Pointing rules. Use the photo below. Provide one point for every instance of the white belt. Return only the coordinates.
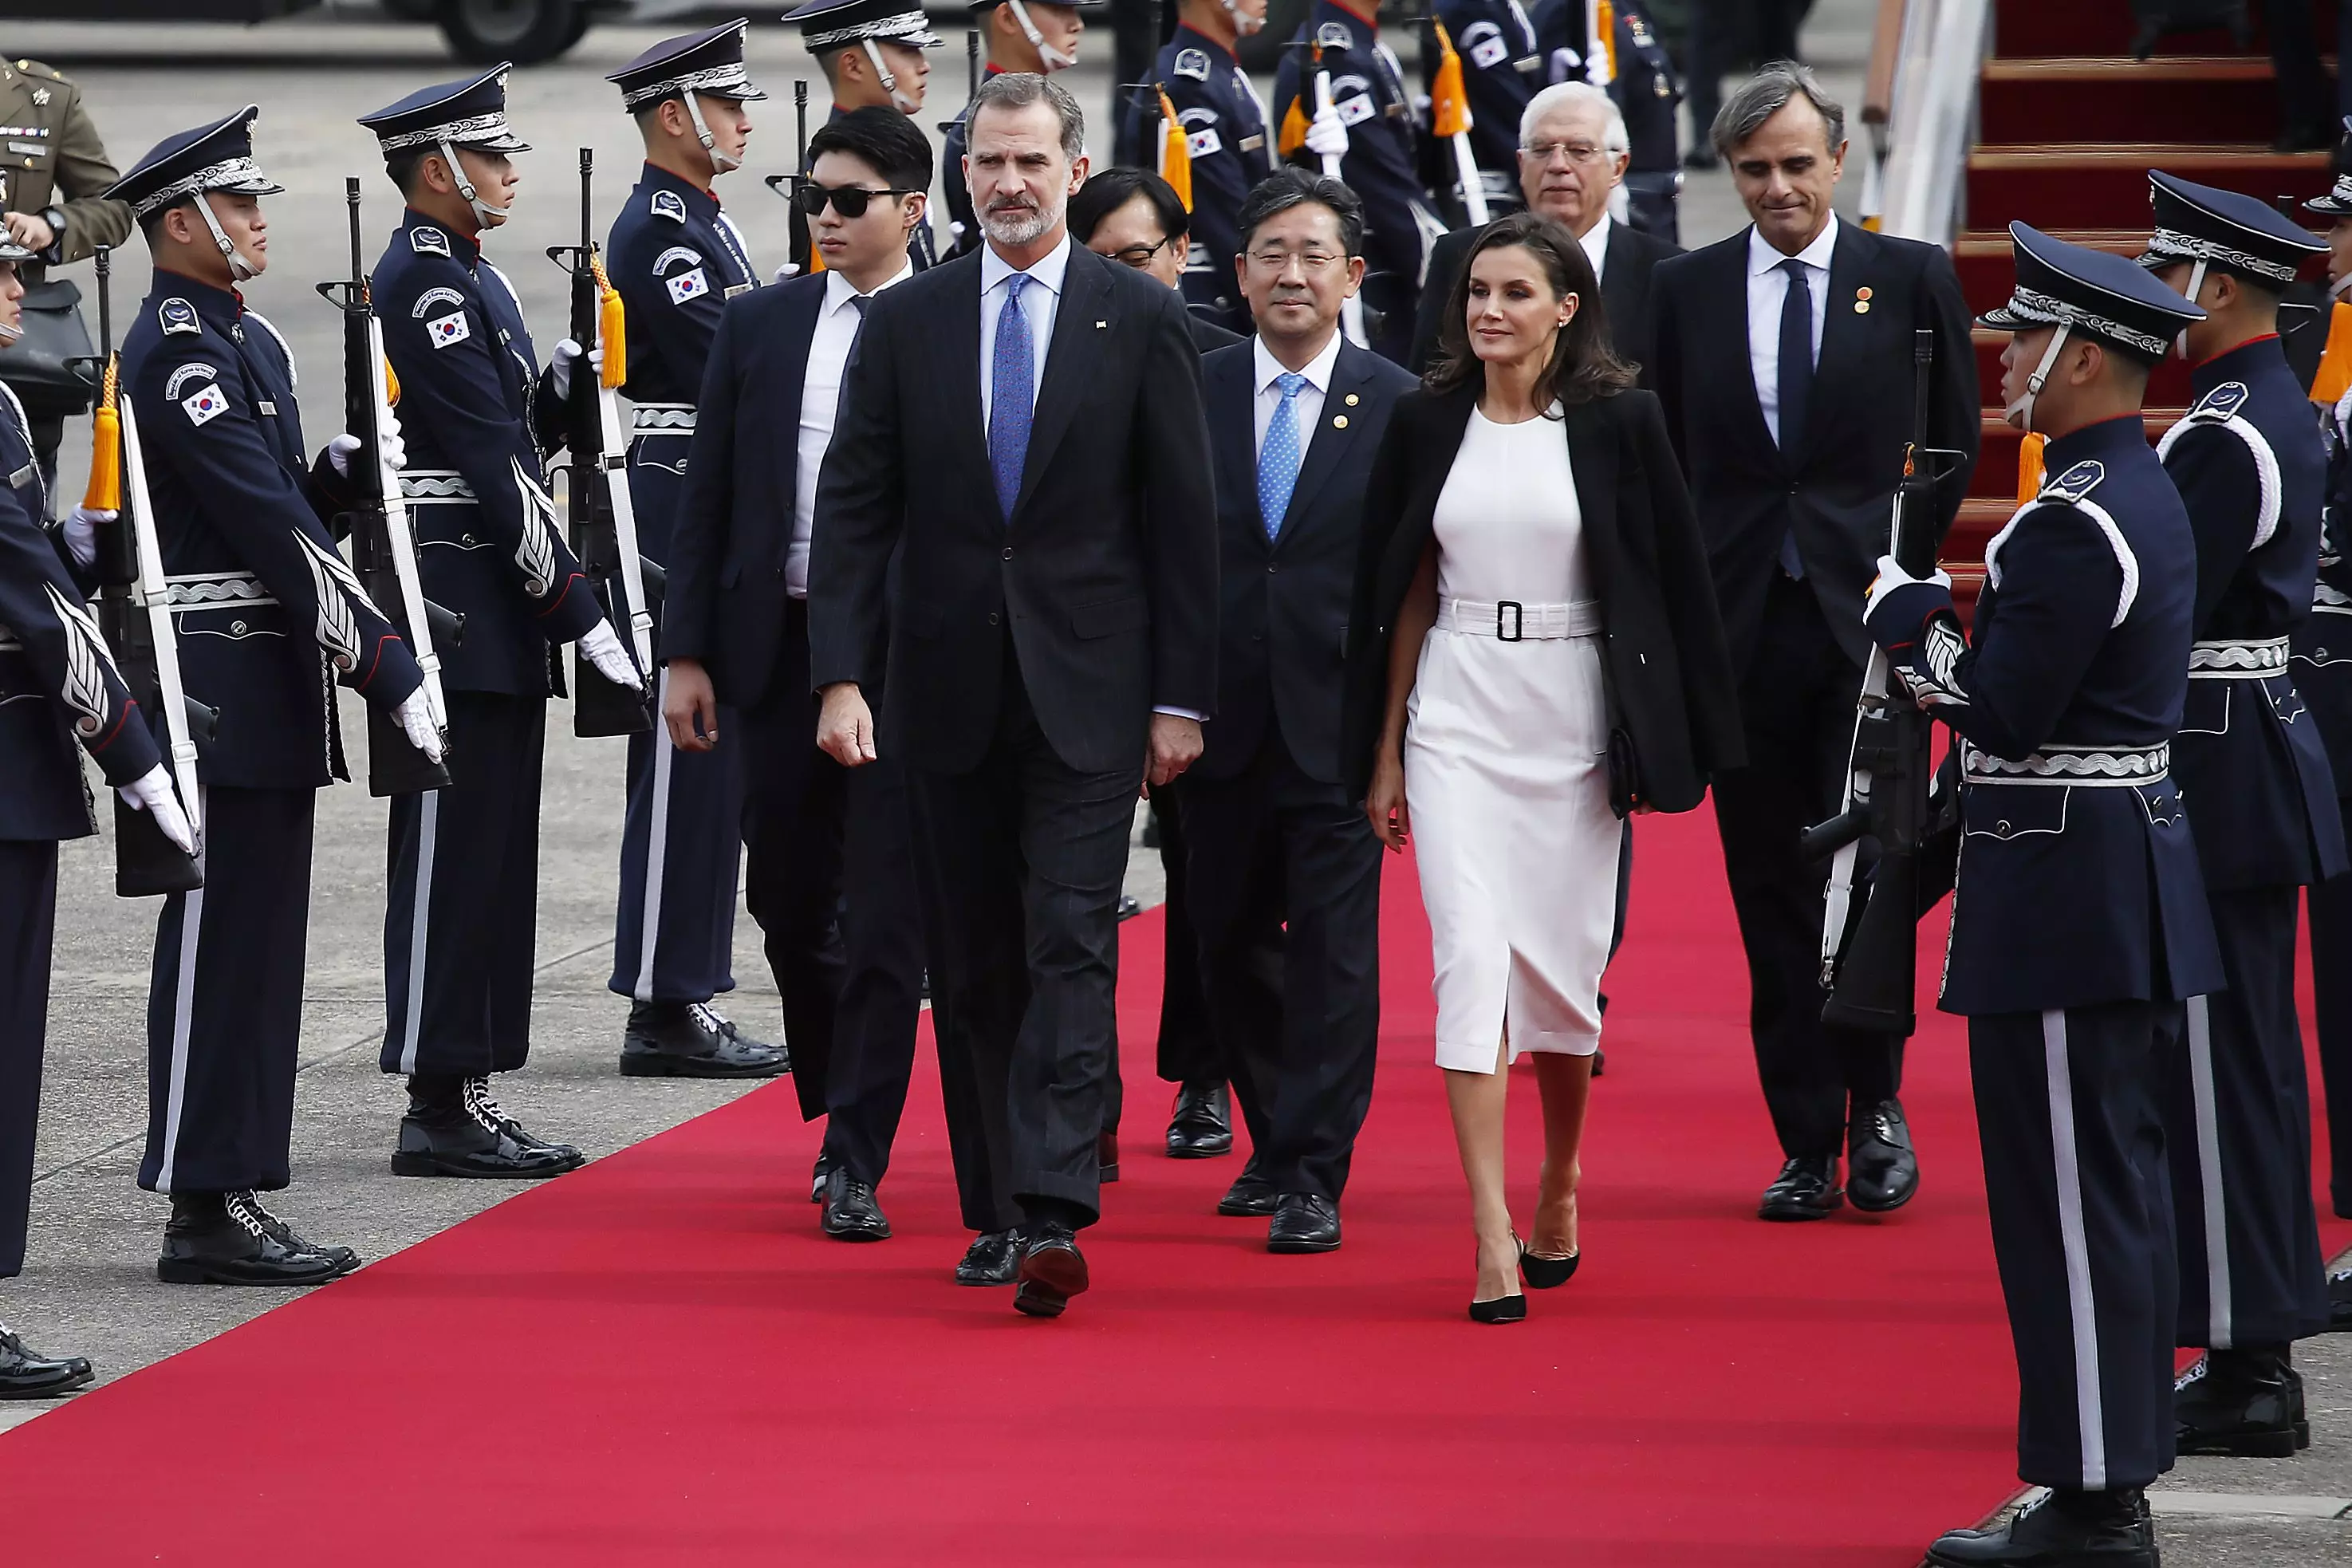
(2236, 659)
(2083, 768)
(199, 589)
(430, 485)
(1508, 620)
(663, 418)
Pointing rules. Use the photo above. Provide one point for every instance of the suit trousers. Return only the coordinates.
(1797, 704)
(2331, 1006)
(1187, 1047)
(1286, 884)
(1024, 859)
(225, 1005)
(675, 937)
(2082, 1230)
(2237, 1117)
(28, 912)
(461, 923)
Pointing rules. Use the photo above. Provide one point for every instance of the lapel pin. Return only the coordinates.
(1862, 301)
(1351, 400)
(1338, 422)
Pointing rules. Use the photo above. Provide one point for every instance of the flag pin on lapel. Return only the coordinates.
(1862, 301)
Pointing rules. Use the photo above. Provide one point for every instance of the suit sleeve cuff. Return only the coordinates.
(1194, 715)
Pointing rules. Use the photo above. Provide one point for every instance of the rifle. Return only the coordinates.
(383, 542)
(603, 519)
(1870, 976)
(801, 247)
(130, 580)
(1352, 313)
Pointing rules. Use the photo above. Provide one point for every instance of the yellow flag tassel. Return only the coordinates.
(391, 384)
(1175, 151)
(1293, 135)
(105, 491)
(1449, 100)
(2334, 378)
(611, 331)
(2029, 466)
(1604, 29)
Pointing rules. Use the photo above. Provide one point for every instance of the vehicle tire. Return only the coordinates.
(524, 31)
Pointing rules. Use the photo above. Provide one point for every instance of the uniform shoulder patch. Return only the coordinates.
(194, 369)
(1194, 63)
(2221, 403)
(447, 332)
(2076, 482)
(1335, 36)
(428, 242)
(669, 205)
(177, 315)
(687, 254)
(432, 297)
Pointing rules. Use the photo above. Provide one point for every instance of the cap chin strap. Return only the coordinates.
(2021, 413)
(484, 215)
(1243, 25)
(239, 269)
(889, 80)
(719, 161)
(1054, 58)
(9, 335)
(2196, 281)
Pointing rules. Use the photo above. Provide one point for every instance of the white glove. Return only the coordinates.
(787, 272)
(603, 648)
(150, 792)
(415, 716)
(344, 448)
(1326, 135)
(81, 534)
(567, 354)
(1891, 577)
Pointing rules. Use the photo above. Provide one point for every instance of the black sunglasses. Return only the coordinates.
(849, 201)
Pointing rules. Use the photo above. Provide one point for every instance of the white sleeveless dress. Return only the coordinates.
(1505, 765)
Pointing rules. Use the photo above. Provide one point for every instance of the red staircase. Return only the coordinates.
(2068, 126)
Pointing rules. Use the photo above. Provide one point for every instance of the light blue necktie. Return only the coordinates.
(1277, 462)
(1012, 385)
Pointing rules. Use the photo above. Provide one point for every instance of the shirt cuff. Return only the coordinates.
(1197, 718)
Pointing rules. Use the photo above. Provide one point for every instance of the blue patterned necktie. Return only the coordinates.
(1796, 383)
(1277, 462)
(1012, 385)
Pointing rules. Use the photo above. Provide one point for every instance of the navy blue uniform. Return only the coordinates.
(2079, 925)
(2249, 467)
(963, 229)
(1502, 68)
(1367, 90)
(463, 897)
(2322, 662)
(268, 618)
(677, 259)
(58, 688)
(1231, 150)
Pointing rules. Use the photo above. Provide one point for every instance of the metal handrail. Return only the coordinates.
(1931, 107)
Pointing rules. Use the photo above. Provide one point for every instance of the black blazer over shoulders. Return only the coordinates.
(1673, 695)
(1625, 292)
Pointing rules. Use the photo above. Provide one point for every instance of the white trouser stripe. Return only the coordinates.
(419, 921)
(2208, 1175)
(2089, 1412)
(183, 1006)
(656, 845)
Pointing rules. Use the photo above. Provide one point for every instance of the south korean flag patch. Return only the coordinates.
(204, 404)
(450, 329)
(692, 284)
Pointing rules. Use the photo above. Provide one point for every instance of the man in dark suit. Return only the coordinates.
(1021, 431)
(1784, 360)
(1276, 837)
(1573, 154)
(735, 632)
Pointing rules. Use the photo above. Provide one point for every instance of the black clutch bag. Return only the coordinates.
(1624, 763)
(38, 368)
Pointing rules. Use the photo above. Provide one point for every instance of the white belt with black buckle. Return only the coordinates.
(662, 418)
(2236, 659)
(2080, 767)
(1508, 620)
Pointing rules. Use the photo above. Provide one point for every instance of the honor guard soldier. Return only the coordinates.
(1226, 138)
(2250, 465)
(2079, 925)
(1502, 68)
(677, 259)
(268, 616)
(1370, 131)
(58, 688)
(463, 897)
(1036, 35)
(871, 52)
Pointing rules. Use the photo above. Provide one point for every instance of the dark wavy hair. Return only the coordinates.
(1582, 365)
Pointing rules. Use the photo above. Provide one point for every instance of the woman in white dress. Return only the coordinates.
(1547, 655)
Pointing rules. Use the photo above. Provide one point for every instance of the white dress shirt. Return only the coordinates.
(1767, 289)
(1307, 405)
(1039, 305)
(837, 322)
(1595, 241)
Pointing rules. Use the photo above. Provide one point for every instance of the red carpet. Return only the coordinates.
(679, 1370)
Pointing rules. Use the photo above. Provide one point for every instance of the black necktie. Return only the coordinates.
(1796, 383)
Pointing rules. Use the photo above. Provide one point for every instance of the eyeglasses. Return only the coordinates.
(1314, 262)
(849, 201)
(1140, 255)
(1575, 152)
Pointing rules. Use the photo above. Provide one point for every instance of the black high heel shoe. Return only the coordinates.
(1503, 1308)
(1543, 1273)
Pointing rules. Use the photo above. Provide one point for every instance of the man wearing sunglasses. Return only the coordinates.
(735, 642)
(1040, 36)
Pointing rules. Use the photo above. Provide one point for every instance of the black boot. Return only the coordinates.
(455, 1129)
(225, 1238)
(2245, 1403)
(2060, 1530)
(689, 1039)
(342, 1257)
(26, 1373)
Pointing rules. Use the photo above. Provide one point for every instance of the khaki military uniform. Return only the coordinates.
(52, 163)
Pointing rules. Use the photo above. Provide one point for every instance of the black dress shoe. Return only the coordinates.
(1052, 1270)
(1304, 1222)
(223, 1240)
(1805, 1189)
(468, 1134)
(1129, 906)
(993, 1258)
(2241, 1403)
(2339, 1301)
(1106, 1157)
(1881, 1171)
(1250, 1197)
(342, 1257)
(689, 1039)
(26, 1373)
(822, 1169)
(1202, 1126)
(2059, 1530)
(1600, 1062)
(850, 1212)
